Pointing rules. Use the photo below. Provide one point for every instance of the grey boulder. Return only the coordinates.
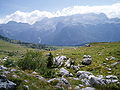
(5, 84)
(87, 60)
(59, 60)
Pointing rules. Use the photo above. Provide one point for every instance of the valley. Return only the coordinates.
(28, 68)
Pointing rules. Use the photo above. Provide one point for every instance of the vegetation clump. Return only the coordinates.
(50, 60)
(9, 63)
(32, 60)
(36, 61)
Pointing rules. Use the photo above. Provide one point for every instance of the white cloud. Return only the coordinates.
(111, 11)
(26, 17)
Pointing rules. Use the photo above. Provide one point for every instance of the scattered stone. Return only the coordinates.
(88, 88)
(97, 81)
(5, 84)
(101, 81)
(104, 63)
(26, 81)
(85, 81)
(5, 58)
(72, 78)
(86, 60)
(70, 75)
(99, 53)
(26, 87)
(111, 77)
(40, 77)
(106, 58)
(15, 76)
(87, 45)
(61, 82)
(34, 72)
(109, 69)
(80, 85)
(64, 71)
(109, 72)
(48, 54)
(5, 72)
(68, 63)
(49, 81)
(88, 78)
(115, 63)
(100, 76)
(13, 70)
(85, 56)
(111, 81)
(75, 78)
(59, 60)
(2, 67)
(74, 67)
(112, 58)
(83, 74)
(77, 88)
(57, 54)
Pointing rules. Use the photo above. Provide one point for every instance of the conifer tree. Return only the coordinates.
(50, 60)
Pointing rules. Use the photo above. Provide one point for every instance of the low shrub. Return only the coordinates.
(9, 63)
(32, 60)
(36, 61)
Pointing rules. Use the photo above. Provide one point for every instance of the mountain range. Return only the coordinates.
(65, 30)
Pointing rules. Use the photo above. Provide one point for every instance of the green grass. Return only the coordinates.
(98, 51)
(33, 82)
(10, 47)
(13, 50)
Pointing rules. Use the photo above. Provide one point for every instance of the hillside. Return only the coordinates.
(28, 45)
(65, 30)
(31, 71)
(10, 49)
(99, 52)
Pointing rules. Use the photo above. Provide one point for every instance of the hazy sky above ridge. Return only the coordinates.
(10, 6)
(51, 8)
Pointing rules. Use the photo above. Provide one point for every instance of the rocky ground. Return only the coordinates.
(91, 67)
(63, 66)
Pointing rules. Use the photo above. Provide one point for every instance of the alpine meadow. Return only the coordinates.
(59, 45)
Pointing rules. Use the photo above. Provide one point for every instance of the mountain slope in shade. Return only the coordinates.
(68, 30)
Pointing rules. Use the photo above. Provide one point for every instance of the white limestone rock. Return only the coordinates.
(63, 71)
(87, 60)
(59, 60)
(5, 84)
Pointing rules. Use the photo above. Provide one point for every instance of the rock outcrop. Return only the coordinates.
(63, 71)
(5, 84)
(61, 82)
(59, 60)
(87, 60)
(89, 79)
(2, 67)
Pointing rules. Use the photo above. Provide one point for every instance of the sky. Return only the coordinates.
(23, 10)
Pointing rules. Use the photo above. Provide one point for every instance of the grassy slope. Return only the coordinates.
(98, 51)
(10, 47)
(5, 49)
